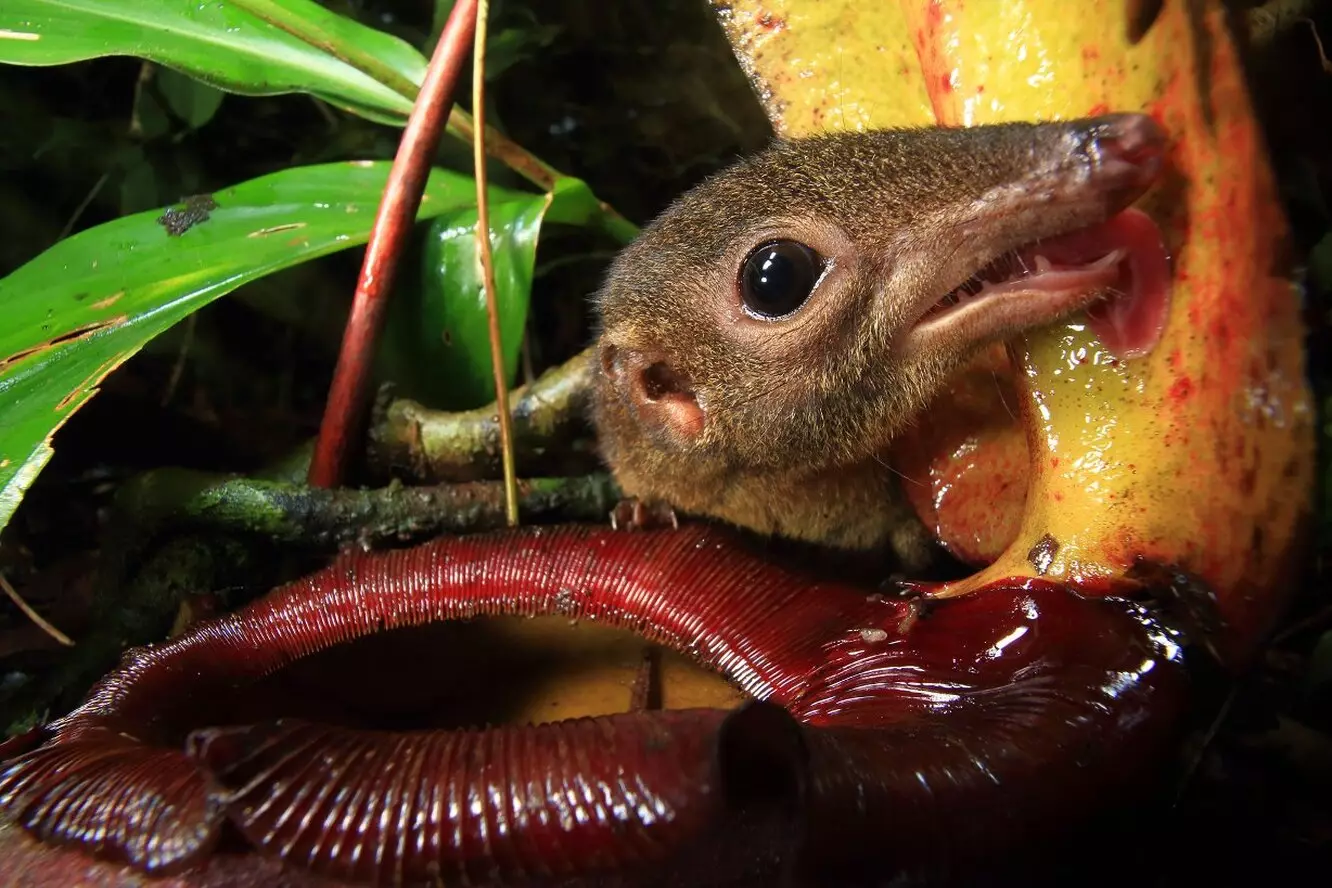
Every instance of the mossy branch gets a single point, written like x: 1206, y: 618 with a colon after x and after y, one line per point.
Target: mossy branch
x: 297, y: 513
x: 550, y: 430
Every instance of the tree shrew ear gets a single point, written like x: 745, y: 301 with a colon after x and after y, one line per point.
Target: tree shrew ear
x: 662, y: 396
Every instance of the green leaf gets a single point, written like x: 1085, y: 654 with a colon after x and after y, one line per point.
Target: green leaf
x: 513, y: 45
x: 79, y: 310
x: 149, y: 118
x: 223, y: 44
x: 437, y: 338
x: 191, y: 101
x: 139, y: 187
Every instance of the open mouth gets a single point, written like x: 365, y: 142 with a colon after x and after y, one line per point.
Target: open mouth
x: 1117, y: 271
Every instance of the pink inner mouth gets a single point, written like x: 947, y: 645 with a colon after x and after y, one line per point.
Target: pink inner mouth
x: 1118, y: 271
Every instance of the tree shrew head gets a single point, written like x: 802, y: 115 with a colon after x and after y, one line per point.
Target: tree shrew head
x: 800, y: 307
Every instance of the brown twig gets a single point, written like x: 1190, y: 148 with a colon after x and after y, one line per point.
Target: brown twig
x: 138, y: 609
x: 1272, y: 19
x: 417, y: 444
x: 1317, y: 621
x: 32, y: 614
x: 1198, y: 753
x: 488, y: 265
x: 508, y: 152
x: 178, y: 368
x: 83, y: 206
x: 1266, y: 21
x: 349, y: 393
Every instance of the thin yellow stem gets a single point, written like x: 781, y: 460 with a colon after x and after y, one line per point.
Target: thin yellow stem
x: 488, y: 264
x: 32, y: 614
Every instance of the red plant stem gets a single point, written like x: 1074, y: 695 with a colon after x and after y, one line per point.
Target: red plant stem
x: 349, y: 393
x: 900, y: 727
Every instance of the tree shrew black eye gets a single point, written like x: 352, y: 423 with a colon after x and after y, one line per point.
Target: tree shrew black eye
x: 777, y: 277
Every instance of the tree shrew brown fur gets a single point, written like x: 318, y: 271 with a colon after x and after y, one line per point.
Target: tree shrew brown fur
x: 779, y: 420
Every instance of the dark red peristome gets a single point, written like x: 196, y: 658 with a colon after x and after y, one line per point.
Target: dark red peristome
x: 903, y: 728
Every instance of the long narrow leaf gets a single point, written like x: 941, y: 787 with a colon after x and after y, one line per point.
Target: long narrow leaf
x: 219, y: 43
x: 79, y: 310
